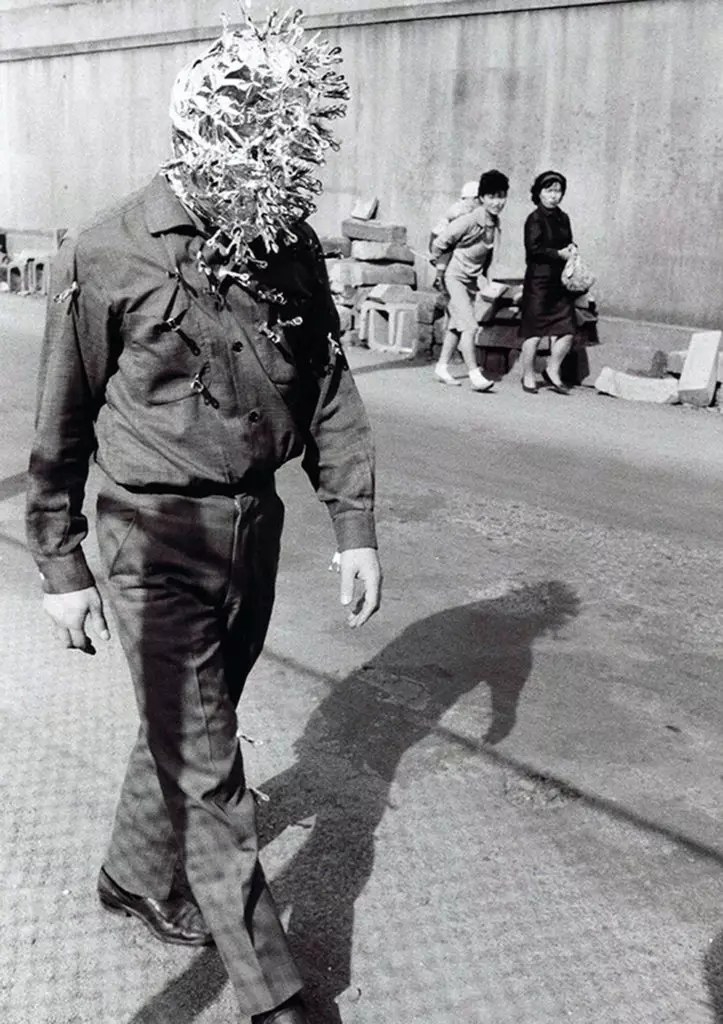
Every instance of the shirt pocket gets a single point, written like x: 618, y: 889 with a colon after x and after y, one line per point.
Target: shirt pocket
x: 161, y: 359
x: 274, y: 353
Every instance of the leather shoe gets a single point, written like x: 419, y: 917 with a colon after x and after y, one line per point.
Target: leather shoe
x: 559, y: 388
x: 177, y: 919
x: 290, y: 1012
x: 531, y: 389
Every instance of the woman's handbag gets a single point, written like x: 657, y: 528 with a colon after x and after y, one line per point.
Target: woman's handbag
x: 585, y: 310
x: 576, y: 275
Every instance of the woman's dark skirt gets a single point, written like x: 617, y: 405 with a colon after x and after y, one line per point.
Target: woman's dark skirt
x: 547, y: 307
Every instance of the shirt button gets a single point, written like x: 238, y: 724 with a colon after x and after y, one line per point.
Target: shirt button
x: 237, y: 346
x: 254, y: 416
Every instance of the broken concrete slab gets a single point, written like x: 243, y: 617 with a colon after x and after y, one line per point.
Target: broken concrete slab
x: 698, y: 379
x: 390, y: 252
x: 374, y: 231
x: 663, y: 391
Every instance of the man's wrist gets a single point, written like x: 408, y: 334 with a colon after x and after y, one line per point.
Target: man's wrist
x: 65, y: 573
x: 355, y: 529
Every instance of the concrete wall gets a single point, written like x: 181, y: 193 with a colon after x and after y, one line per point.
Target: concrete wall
x: 624, y: 96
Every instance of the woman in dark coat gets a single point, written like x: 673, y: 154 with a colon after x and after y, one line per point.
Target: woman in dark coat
x: 547, y: 306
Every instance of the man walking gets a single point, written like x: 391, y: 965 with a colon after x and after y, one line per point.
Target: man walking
x: 191, y: 347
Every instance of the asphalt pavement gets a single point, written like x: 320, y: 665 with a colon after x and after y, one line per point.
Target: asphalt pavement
x: 497, y: 802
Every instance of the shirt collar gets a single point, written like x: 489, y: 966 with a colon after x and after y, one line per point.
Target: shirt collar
x: 164, y: 210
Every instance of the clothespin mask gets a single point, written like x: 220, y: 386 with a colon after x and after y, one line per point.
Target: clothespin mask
x: 248, y: 132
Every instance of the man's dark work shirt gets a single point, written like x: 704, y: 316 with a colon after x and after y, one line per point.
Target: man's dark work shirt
x: 174, y: 389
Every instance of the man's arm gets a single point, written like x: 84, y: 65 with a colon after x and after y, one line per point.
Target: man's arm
x: 339, y: 461
x: 70, y: 387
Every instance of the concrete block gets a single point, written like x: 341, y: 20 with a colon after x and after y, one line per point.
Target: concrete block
x: 381, y: 273
x: 351, y: 338
x: 345, y: 317
x: 391, y: 293
x: 336, y: 245
x: 430, y: 305
x: 426, y: 335
x: 389, y: 252
x: 365, y: 209
x: 339, y: 273
x: 374, y: 231
x: 698, y: 380
x: 390, y: 328
x: 663, y: 391
x: 676, y: 362
x: 344, y: 294
x: 361, y: 294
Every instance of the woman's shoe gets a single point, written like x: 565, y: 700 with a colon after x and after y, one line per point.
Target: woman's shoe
x: 445, y: 377
x: 530, y: 389
x: 478, y: 381
x: 559, y: 388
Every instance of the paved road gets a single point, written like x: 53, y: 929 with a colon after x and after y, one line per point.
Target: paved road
x: 497, y: 802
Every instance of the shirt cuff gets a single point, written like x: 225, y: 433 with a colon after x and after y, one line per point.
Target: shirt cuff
x: 354, y: 530
x: 65, y: 573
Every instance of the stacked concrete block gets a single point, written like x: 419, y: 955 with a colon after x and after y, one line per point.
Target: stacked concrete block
x: 374, y: 285
x: 375, y: 264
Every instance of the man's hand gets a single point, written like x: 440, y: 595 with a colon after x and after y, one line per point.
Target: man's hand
x: 69, y: 613
x: 360, y: 564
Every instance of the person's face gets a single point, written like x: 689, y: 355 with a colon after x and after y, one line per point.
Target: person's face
x: 551, y: 195
x: 470, y: 203
x: 494, y: 202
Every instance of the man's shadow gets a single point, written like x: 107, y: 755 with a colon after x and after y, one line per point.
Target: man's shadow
x: 350, y: 750
x: 713, y: 974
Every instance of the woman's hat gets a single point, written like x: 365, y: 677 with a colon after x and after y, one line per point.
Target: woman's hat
x: 546, y: 179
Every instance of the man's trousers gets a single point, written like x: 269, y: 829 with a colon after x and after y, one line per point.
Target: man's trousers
x: 192, y: 585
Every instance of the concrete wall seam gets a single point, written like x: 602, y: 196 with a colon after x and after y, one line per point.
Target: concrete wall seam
x: 370, y: 16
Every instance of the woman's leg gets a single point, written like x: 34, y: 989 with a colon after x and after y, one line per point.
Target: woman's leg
x: 527, y: 359
x: 559, y: 347
x: 469, y: 353
x: 449, y: 347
